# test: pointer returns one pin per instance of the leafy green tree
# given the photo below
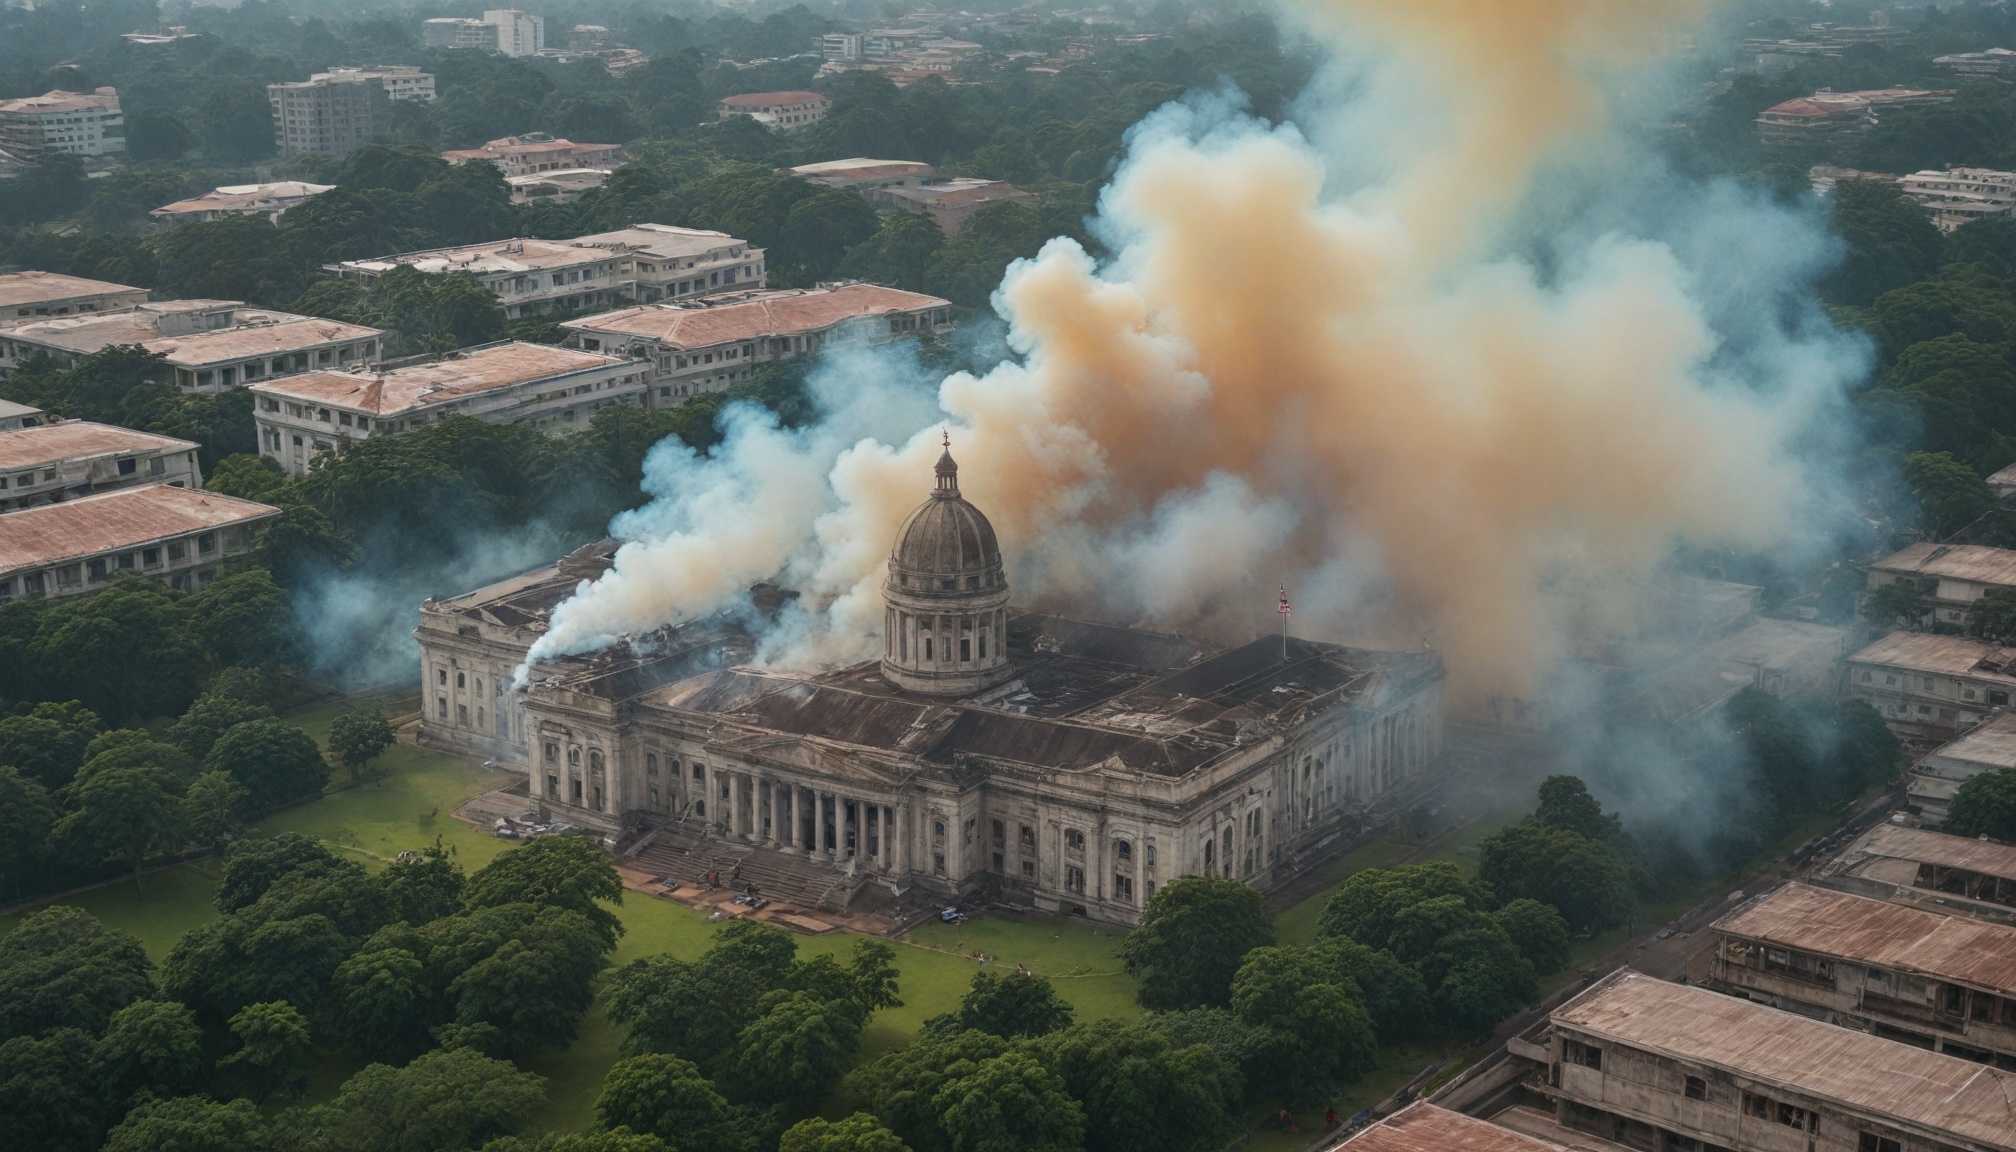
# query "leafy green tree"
(1191, 939)
(1895, 602)
(150, 1045)
(1326, 1036)
(1585, 881)
(1949, 394)
(668, 1097)
(898, 254)
(795, 1050)
(857, 1133)
(253, 866)
(273, 1046)
(302, 543)
(1993, 617)
(1140, 1092)
(818, 230)
(358, 736)
(1890, 242)
(383, 1009)
(212, 715)
(569, 872)
(122, 814)
(135, 748)
(619, 1140)
(128, 652)
(246, 619)
(61, 968)
(1950, 494)
(1476, 977)
(189, 1124)
(1565, 803)
(1985, 805)
(274, 760)
(230, 258)
(48, 1092)
(423, 885)
(1014, 1005)
(1366, 907)
(535, 985)
(1010, 1103)
(1538, 931)
(902, 1088)
(970, 265)
(1962, 298)
(249, 475)
(26, 815)
(445, 1099)
(47, 742)
(1392, 992)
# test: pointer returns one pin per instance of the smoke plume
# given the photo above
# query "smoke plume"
(1358, 392)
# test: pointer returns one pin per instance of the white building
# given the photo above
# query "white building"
(65, 459)
(1959, 196)
(400, 81)
(325, 117)
(13, 416)
(446, 32)
(29, 294)
(1988, 747)
(213, 345)
(184, 536)
(672, 263)
(518, 33)
(786, 111)
(1992, 62)
(504, 383)
(711, 345)
(63, 123)
(1949, 577)
(1931, 687)
(556, 187)
(268, 200)
(537, 152)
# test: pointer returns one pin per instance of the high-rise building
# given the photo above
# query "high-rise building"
(327, 116)
(60, 122)
(518, 33)
(401, 81)
(447, 32)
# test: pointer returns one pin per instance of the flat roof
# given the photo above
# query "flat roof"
(1945, 655)
(59, 100)
(1991, 744)
(857, 168)
(115, 521)
(467, 373)
(513, 145)
(772, 99)
(1954, 562)
(244, 196)
(523, 254)
(18, 288)
(1422, 1127)
(1893, 936)
(76, 439)
(253, 332)
(10, 408)
(659, 241)
(703, 325)
(1935, 1092)
(1916, 846)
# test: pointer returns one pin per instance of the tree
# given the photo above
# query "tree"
(212, 715)
(382, 997)
(48, 1093)
(1985, 805)
(898, 254)
(443, 1100)
(253, 866)
(189, 1124)
(1392, 992)
(619, 1140)
(857, 1133)
(1326, 1036)
(902, 1088)
(817, 232)
(423, 885)
(128, 652)
(61, 968)
(246, 619)
(1476, 977)
(249, 475)
(1890, 242)
(122, 814)
(358, 736)
(1538, 931)
(1013, 1005)
(135, 748)
(1010, 1103)
(1191, 939)
(1897, 601)
(1142, 1093)
(47, 742)
(273, 1046)
(213, 809)
(570, 872)
(1367, 906)
(150, 1045)
(1565, 803)
(1585, 881)
(970, 265)
(668, 1097)
(26, 815)
(795, 1050)
(1950, 494)
(274, 760)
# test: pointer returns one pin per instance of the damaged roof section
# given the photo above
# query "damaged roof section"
(1874, 932)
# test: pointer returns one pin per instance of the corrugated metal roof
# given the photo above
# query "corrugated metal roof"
(452, 377)
(17, 288)
(114, 521)
(1973, 562)
(1942, 655)
(76, 439)
(1991, 744)
(1423, 1127)
(1935, 1093)
(1890, 936)
(1936, 848)
(778, 314)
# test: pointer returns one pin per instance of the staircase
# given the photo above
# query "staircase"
(686, 854)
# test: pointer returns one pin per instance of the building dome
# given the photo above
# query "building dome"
(947, 596)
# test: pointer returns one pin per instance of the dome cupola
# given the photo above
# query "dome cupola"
(946, 615)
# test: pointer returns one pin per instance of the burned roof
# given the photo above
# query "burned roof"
(1950, 948)
(1422, 1127)
(527, 600)
(1930, 1091)
(1915, 846)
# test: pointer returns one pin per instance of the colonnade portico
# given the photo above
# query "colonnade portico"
(811, 821)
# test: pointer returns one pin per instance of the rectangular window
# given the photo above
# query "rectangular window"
(1697, 1088)
(1123, 888)
(1870, 1142)
(206, 543)
(128, 466)
(552, 786)
(1074, 878)
(441, 706)
(1587, 1055)
(577, 790)
(1028, 869)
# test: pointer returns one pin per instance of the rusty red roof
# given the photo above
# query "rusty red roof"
(1892, 936)
(774, 314)
(1422, 1127)
(115, 521)
(772, 99)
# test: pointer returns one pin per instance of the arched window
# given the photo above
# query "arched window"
(574, 757)
(1123, 850)
(1208, 844)
(651, 764)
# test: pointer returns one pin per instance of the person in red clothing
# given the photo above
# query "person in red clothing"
(1288, 1122)
(1330, 1117)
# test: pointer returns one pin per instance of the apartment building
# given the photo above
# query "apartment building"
(1950, 577)
(1931, 687)
(950, 202)
(673, 263)
(213, 345)
(1920, 868)
(400, 81)
(503, 383)
(1936, 779)
(537, 152)
(446, 32)
(559, 187)
(518, 33)
(183, 536)
(63, 123)
(28, 294)
(268, 200)
(1959, 196)
(1653, 1065)
(323, 117)
(713, 344)
(1923, 977)
(785, 111)
(64, 459)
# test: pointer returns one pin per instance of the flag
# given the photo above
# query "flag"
(1283, 609)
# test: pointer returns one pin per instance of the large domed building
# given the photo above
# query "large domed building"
(1023, 757)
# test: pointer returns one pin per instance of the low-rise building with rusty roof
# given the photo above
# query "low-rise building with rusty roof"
(268, 200)
(1925, 977)
(213, 345)
(1926, 869)
(1651, 1064)
(990, 752)
(65, 459)
(709, 345)
(1930, 686)
(1949, 577)
(1423, 1127)
(184, 536)
(862, 174)
(537, 152)
(784, 111)
(951, 202)
(27, 295)
(1988, 747)
(509, 382)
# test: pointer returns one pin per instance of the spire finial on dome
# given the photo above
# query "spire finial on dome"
(948, 471)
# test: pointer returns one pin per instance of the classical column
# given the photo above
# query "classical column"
(791, 816)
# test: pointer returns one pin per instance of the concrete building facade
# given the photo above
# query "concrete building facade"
(1931, 687)
(65, 459)
(518, 33)
(59, 123)
(1949, 577)
(26, 295)
(323, 117)
(449, 32)
(1920, 868)
(213, 345)
(182, 536)
(400, 81)
(537, 152)
(268, 200)
(1934, 780)
(784, 111)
